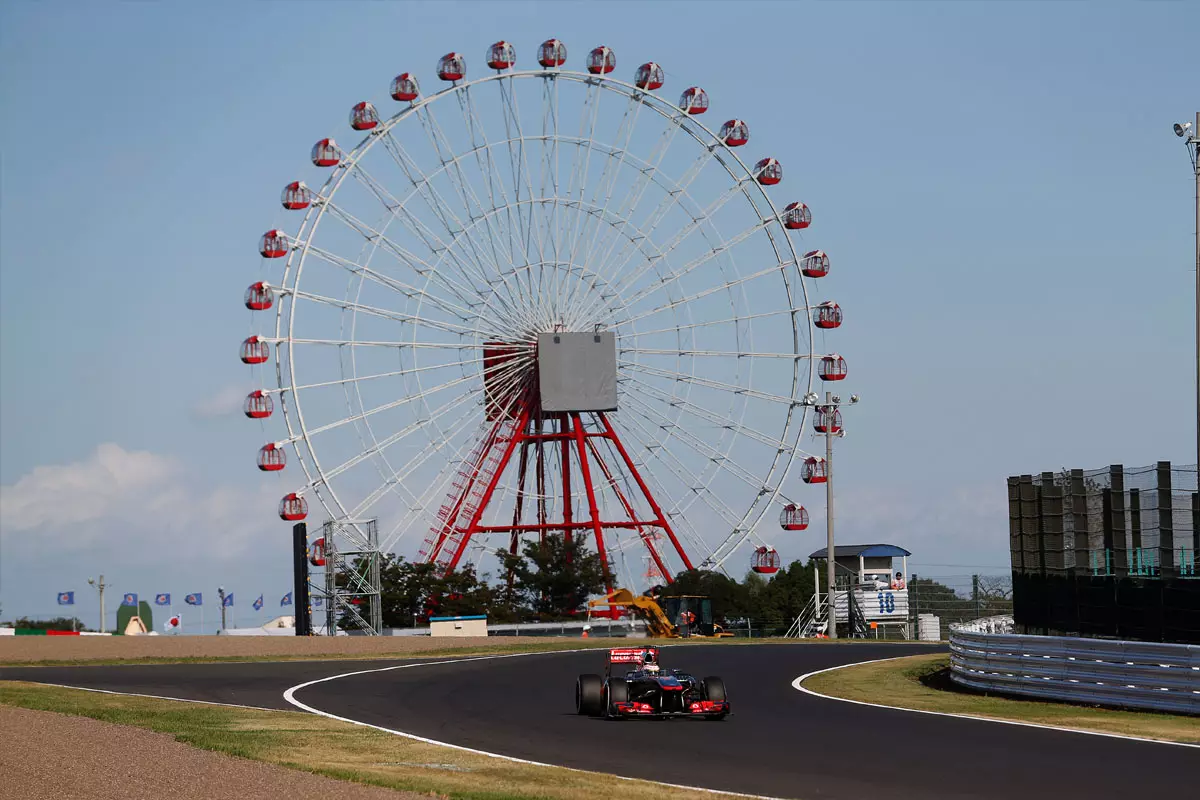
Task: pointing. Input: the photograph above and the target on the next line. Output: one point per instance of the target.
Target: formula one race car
(645, 690)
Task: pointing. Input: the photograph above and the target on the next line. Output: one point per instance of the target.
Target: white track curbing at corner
(797, 684)
(290, 696)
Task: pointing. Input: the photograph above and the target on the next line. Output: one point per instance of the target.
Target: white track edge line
(290, 696)
(154, 696)
(797, 684)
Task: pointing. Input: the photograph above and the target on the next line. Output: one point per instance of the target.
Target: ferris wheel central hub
(577, 371)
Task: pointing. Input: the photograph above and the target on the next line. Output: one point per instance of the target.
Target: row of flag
(193, 599)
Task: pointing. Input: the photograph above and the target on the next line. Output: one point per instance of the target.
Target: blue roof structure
(864, 550)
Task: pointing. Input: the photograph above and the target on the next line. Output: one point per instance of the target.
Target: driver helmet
(651, 667)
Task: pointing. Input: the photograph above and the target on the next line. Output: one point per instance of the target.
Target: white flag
(173, 624)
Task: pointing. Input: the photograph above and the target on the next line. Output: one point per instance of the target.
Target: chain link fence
(1107, 552)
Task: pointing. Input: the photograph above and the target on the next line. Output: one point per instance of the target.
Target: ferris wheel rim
(321, 485)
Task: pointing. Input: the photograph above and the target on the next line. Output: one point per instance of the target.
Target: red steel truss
(523, 435)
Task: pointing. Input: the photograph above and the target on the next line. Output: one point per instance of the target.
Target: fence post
(1135, 526)
(975, 594)
(1116, 521)
(1080, 526)
(1166, 523)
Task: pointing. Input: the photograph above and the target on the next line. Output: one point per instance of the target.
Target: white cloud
(136, 502)
(223, 403)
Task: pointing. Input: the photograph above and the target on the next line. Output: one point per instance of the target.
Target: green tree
(55, 624)
(411, 593)
(729, 598)
(554, 577)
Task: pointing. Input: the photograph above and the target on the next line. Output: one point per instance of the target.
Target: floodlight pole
(830, 558)
(831, 406)
(99, 586)
(1194, 151)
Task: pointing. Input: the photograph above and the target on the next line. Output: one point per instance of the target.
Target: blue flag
(162, 599)
(228, 599)
(194, 599)
(130, 599)
(67, 598)
(258, 604)
(287, 600)
(316, 602)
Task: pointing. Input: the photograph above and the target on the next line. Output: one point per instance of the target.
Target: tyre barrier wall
(1143, 675)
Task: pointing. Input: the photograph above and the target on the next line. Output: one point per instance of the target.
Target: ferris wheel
(544, 302)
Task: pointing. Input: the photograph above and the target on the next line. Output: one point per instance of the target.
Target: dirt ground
(56, 757)
(22, 649)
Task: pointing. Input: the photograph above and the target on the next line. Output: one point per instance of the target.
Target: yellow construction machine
(692, 614)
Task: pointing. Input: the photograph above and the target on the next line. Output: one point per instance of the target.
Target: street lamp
(1191, 136)
(830, 409)
(100, 587)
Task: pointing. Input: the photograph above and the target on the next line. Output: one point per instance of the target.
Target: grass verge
(87, 653)
(337, 749)
(923, 683)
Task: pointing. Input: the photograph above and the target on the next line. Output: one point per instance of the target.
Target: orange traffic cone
(584, 635)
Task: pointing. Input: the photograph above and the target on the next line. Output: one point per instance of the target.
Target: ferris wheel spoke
(382, 313)
(672, 198)
(361, 378)
(698, 221)
(413, 398)
(705, 293)
(582, 162)
(605, 185)
(722, 461)
(487, 168)
(712, 323)
(428, 451)
(708, 383)
(466, 193)
(506, 241)
(691, 266)
(689, 479)
(461, 313)
(424, 188)
(717, 354)
(549, 163)
(398, 436)
(712, 417)
(520, 162)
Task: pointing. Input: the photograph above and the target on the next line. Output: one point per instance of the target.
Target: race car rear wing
(632, 655)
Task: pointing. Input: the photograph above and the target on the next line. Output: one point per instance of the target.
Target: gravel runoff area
(48, 756)
(25, 649)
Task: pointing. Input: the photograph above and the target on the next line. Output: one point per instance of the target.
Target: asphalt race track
(779, 742)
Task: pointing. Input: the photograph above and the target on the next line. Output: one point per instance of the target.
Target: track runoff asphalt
(778, 742)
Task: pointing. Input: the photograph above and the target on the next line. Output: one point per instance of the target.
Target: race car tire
(616, 692)
(714, 689)
(589, 695)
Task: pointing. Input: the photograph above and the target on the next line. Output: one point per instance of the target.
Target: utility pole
(829, 417)
(99, 586)
(221, 595)
(1191, 136)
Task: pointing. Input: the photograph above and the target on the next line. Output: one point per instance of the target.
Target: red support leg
(637, 476)
(473, 526)
(591, 498)
(564, 427)
(649, 542)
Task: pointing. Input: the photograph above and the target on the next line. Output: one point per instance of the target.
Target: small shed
(458, 626)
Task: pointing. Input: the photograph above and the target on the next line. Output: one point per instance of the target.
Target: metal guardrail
(1144, 675)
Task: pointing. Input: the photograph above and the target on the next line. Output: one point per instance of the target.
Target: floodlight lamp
(810, 398)
(836, 399)
(1182, 128)
(854, 398)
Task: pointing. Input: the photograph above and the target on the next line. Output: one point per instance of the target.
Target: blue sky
(1009, 215)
